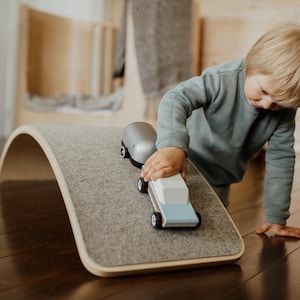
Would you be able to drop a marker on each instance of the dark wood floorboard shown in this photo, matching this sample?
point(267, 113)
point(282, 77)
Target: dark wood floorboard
point(39, 260)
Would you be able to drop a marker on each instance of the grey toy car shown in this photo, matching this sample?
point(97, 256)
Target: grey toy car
point(138, 142)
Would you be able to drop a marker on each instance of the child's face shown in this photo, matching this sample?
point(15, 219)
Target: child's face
point(257, 90)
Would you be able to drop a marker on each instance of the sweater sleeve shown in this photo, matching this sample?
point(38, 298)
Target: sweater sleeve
point(280, 161)
point(176, 107)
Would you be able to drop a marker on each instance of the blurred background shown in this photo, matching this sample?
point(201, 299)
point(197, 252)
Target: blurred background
point(58, 58)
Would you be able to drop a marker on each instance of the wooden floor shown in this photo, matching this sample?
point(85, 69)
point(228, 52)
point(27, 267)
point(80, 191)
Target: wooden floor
point(38, 257)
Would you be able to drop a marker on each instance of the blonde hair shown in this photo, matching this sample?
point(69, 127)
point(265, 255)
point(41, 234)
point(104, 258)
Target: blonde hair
point(277, 54)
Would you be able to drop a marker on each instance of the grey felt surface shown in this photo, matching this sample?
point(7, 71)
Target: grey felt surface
point(114, 218)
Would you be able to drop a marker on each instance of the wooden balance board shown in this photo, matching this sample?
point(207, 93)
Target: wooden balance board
point(109, 217)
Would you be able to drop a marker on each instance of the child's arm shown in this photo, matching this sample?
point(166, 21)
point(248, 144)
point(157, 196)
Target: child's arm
point(165, 162)
point(279, 229)
point(280, 161)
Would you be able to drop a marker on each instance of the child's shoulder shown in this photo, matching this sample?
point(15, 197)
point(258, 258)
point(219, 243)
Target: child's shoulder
point(229, 66)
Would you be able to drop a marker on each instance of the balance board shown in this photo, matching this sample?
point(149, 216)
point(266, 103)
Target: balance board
point(109, 217)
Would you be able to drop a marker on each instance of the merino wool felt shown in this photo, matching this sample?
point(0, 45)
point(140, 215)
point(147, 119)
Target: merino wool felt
point(110, 218)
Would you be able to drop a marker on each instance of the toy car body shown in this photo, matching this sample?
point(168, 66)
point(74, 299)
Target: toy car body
point(138, 142)
point(170, 199)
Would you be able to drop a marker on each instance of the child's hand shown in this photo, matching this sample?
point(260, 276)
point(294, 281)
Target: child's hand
point(281, 230)
point(165, 162)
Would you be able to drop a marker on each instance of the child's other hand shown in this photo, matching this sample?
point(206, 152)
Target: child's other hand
point(165, 162)
point(281, 230)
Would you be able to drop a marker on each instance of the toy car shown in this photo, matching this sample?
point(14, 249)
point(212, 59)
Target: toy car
point(138, 142)
point(170, 199)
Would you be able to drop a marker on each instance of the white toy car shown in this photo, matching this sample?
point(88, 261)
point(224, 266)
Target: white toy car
point(170, 199)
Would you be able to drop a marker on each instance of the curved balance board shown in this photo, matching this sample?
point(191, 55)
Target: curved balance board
point(110, 218)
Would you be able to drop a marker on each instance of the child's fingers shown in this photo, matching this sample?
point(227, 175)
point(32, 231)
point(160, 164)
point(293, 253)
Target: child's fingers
point(289, 231)
point(280, 230)
point(263, 229)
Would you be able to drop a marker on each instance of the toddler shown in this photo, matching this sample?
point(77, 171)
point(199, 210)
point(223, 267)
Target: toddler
point(221, 118)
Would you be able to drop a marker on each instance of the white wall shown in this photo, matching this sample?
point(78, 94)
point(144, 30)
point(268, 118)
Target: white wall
point(8, 31)
point(86, 10)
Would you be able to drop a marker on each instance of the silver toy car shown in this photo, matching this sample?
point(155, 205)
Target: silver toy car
point(138, 142)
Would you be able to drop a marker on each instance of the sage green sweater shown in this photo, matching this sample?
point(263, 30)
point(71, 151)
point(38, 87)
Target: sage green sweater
point(209, 117)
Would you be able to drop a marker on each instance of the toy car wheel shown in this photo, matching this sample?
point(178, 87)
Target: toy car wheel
point(124, 152)
point(156, 220)
point(142, 186)
point(199, 218)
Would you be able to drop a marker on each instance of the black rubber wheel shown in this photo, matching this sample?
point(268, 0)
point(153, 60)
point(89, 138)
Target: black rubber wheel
point(124, 152)
point(156, 220)
point(199, 218)
point(142, 186)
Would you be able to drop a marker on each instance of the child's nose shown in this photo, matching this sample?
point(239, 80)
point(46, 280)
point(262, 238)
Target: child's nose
point(267, 103)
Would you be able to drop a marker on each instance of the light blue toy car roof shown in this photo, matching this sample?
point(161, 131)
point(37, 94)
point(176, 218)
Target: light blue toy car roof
point(174, 215)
